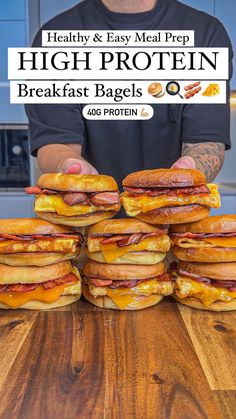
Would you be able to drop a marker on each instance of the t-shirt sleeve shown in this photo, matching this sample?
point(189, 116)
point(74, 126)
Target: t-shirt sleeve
point(203, 123)
point(54, 123)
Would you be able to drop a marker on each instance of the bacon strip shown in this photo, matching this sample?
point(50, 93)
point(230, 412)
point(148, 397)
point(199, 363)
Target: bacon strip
point(195, 277)
point(67, 279)
point(191, 86)
point(158, 233)
point(168, 191)
point(9, 237)
point(229, 284)
point(123, 240)
point(132, 239)
point(193, 92)
point(202, 236)
point(114, 239)
point(30, 237)
point(17, 288)
point(124, 284)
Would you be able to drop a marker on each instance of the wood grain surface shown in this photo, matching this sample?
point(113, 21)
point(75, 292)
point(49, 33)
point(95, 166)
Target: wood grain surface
point(86, 362)
point(214, 339)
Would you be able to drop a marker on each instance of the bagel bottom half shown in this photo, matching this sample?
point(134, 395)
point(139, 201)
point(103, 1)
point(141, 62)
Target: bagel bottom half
point(175, 215)
point(205, 254)
point(106, 302)
point(216, 306)
point(39, 305)
point(34, 259)
point(79, 221)
point(137, 258)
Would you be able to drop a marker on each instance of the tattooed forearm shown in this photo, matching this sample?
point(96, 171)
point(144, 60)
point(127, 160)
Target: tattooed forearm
point(209, 157)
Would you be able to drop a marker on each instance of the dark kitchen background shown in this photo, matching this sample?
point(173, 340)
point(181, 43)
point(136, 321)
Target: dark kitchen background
point(19, 21)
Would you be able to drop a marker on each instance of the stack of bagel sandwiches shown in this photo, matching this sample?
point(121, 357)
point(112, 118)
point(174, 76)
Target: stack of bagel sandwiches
point(36, 270)
point(39, 256)
point(127, 266)
point(126, 269)
point(206, 271)
point(205, 247)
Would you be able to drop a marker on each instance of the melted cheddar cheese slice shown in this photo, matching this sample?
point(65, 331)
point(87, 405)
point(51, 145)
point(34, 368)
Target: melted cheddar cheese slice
point(17, 299)
point(206, 242)
point(55, 245)
point(112, 251)
point(134, 205)
point(122, 297)
point(208, 294)
point(55, 203)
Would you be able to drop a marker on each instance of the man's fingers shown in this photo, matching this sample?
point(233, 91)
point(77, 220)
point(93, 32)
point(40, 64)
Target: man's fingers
point(87, 169)
point(75, 166)
point(70, 166)
point(185, 162)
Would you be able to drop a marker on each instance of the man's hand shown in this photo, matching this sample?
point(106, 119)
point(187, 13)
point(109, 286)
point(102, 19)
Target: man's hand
point(184, 163)
point(64, 158)
point(207, 157)
point(77, 166)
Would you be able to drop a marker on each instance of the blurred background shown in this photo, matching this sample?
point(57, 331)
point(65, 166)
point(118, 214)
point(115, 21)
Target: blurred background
point(19, 22)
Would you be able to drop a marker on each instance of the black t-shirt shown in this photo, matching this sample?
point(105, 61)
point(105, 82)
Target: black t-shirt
point(118, 147)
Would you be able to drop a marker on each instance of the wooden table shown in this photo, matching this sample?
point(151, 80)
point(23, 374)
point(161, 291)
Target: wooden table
point(84, 362)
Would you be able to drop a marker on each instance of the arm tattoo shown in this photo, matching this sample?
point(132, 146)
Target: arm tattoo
point(209, 157)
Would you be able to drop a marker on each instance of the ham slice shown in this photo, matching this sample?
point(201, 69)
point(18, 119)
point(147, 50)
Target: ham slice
point(33, 190)
point(36, 190)
point(100, 282)
point(104, 198)
point(74, 198)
